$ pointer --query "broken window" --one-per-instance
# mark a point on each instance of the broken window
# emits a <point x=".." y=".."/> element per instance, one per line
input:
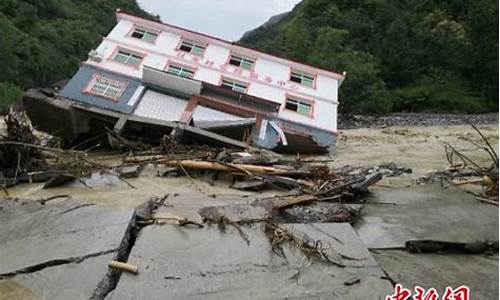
<point x="144" y="34"/>
<point x="181" y="71"/>
<point x="128" y="58"/>
<point x="299" y="106"/>
<point x="241" y="62"/>
<point x="105" y="87"/>
<point x="192" y="48"/>
<point x="302" y="78"/>
<point x="235" y="86"/>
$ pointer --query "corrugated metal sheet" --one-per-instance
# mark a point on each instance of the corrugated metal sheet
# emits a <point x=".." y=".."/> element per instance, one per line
<point x="160" y="106"/>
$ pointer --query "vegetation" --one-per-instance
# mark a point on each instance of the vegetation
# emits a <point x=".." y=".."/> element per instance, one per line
<point x="427" y="55"/>
<point x="44" y="41"/>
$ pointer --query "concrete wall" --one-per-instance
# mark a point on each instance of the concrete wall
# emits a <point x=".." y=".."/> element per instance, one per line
<point x="269" y="79"/>
<point x="74" y="90"/>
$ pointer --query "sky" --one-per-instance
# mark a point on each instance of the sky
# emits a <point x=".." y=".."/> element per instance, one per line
<point x="226" y="19"/>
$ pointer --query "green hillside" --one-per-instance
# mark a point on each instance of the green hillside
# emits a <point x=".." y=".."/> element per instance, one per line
<point x="439" y="56"/>
<point x="42" y="41"/>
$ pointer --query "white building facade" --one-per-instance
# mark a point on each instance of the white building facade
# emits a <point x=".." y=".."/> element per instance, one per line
<point x="144" y="52"/>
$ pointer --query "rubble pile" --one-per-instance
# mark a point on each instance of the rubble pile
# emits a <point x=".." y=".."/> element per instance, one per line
<point x="464" y="171"/>
<point x="18" y="146"/>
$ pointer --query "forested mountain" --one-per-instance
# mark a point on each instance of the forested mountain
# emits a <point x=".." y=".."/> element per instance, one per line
<point x="400" y="55"/>
<point x="42" y="41"/>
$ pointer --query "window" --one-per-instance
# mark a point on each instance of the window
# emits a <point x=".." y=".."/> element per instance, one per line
<point x="299" y="106"/>
<point x="144" y="34"/>
<point x="105" y="87"/>
<point x="181" y="71"/>
<point x="304" y="79"/>
<point x="128" y="58"/>
<point x="193" y="48"/>
<point x="235" y="86"/>
<point x="241" y="62"/>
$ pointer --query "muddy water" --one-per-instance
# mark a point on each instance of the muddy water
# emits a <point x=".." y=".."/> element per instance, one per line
<point x="137" y="191"/>
<point x="419" y="148"/>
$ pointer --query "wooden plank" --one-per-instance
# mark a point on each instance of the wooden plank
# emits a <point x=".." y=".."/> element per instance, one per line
<point x="282" y="202"/>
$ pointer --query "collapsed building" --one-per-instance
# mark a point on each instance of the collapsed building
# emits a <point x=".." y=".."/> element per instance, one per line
<point x="148" y="78"/>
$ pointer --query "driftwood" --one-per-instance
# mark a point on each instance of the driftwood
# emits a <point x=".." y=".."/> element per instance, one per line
<point x="217" y="166"/>
<point x="124" y="267"/>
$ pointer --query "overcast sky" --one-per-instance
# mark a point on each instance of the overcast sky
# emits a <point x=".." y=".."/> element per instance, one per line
<point x="227" y="19"/>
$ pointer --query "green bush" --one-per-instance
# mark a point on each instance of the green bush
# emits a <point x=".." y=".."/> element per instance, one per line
<point x="439" y="97"/>
<point x="9" y="94"/>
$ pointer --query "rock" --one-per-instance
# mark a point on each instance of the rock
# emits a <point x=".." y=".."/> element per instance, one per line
<point x="129" y="171"/>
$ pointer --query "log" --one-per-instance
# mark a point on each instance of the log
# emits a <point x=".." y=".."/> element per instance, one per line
<point x="207" y="165"/>
<point x="282" y="202"/>
<point x="124" y="267"/>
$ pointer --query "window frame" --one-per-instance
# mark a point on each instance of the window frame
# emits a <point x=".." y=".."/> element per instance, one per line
<point x="194" y="44"/>
<point x="299" y="101"/>
<point x="242" y="59"/>
<point x="182" y="68"/>
<point x="146" y="32"/>
<point x="121" y="86"/>
<point x="301" y="75"/>
<point x="130" y="54"/>
<point x="234" y="83"/>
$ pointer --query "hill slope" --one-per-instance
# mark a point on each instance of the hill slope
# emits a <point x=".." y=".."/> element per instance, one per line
<point x="45" y="41"/>
<point x="400" y="55"/>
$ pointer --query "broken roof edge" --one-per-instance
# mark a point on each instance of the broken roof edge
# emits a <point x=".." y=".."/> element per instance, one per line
<point x="233" y="45"/>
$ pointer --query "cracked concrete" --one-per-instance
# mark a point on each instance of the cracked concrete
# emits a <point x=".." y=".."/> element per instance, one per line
<point x="33" y="233"/>
<point x="188" y="263"/>
<point x="431" y="212"/>
<point x="425" y="212"/>
<point x="48" y="248"/>
<point x="68" y="281"/>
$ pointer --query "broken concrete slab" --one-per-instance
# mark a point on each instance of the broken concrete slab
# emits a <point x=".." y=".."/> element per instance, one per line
<point x="65" y="281"/>
<point x="256" y="210"/>
<point x="188" y="263"/>
<point x="393" y="216"/>
<point x="478" y="272"/>
<point x="35" y="236"/>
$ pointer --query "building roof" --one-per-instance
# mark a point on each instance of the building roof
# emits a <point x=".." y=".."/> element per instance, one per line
<point x="232" y="45"/>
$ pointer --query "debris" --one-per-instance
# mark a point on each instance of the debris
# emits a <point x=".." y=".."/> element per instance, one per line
<point x="250" y="185"/>
<point x="129" y="171"/>
<point x="469" y="171"/>
<point x="217" y="166"/>
<point x="45" y="200"/>
<point x="322" y="212"/>
<point x="311" y="249"/>
<point x="124" y="267"/>
<point x="163" y="220"/>
<point x="286" y="201"/>
<point x="432" y="246"/>
<point x="20" y="149"/>
<point x="58" y="180"/>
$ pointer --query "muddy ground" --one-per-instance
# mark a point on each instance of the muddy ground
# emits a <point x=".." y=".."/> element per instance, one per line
<point x="397" y="209"/>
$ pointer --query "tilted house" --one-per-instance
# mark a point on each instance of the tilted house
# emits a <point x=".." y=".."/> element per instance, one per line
<point x="159" y="71"/>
